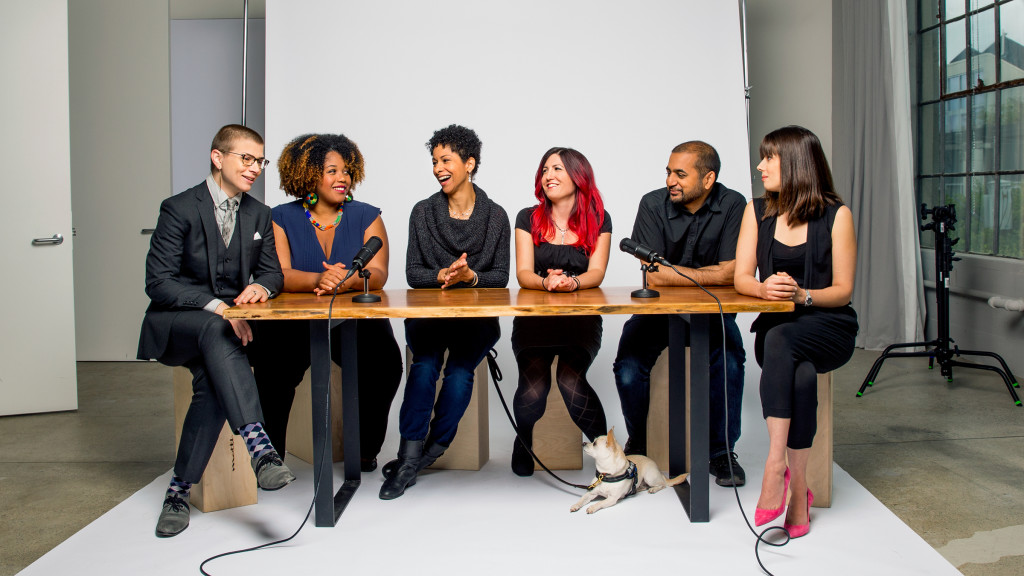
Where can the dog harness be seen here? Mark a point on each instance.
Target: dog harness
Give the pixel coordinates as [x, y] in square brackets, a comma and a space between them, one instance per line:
[629, 474]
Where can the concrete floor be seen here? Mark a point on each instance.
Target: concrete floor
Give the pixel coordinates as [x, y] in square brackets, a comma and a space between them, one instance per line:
[948, 459]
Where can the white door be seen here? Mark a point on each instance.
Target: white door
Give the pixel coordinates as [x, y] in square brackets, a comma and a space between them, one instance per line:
[37, 342]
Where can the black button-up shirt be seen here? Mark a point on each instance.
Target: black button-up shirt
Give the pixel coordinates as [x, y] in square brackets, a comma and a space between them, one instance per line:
[705, 238]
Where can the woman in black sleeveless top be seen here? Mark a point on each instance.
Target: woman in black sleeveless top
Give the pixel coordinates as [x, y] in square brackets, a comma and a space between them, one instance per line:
[562, 245]
[800, 239]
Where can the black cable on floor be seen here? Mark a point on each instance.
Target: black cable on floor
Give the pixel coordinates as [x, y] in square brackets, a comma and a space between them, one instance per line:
[492, 364]
[735, 489]
[316, 481]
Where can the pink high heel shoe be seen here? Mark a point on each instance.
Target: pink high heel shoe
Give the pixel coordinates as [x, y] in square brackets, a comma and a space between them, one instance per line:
[798, 530]
[764, 515]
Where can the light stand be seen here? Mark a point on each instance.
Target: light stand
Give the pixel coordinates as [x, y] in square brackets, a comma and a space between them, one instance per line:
[943, 219]
[366, 297]
[646, 292]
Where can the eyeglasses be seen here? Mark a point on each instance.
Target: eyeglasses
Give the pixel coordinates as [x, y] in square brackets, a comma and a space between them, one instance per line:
[248, 159]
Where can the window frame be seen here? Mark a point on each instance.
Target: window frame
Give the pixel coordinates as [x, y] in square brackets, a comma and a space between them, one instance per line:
[943, 175]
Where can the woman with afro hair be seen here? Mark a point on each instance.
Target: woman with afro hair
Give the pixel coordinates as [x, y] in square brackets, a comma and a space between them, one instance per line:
[458, 238]
[316, 235]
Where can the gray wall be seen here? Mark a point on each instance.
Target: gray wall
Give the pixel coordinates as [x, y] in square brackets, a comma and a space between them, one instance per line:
[120, 163]
[789, 49]
[206, 93]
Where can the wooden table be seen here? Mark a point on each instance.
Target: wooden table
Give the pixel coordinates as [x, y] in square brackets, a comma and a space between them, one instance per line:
[492, 302]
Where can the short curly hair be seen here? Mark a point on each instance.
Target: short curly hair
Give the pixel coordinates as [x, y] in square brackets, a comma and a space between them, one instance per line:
[301, 165]
[463, 141]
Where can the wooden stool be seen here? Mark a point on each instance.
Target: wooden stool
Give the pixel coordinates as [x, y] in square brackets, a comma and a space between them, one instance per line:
[470, 449]
[228, 480]
[657, 416]
[556, 439]
[300, 423]
[819, 465]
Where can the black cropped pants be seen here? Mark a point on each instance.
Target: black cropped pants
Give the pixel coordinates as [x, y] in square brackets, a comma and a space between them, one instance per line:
[792, 349]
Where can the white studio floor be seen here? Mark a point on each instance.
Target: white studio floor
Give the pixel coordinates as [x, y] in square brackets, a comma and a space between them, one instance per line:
[490, 521]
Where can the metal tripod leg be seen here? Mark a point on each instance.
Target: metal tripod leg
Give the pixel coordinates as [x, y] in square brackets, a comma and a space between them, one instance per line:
[869, 380]
[1008, 377]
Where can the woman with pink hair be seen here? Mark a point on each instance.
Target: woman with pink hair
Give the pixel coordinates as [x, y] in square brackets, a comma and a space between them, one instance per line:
[562, 245]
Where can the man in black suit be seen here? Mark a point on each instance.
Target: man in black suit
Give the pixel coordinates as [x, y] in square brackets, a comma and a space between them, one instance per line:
[213, 246]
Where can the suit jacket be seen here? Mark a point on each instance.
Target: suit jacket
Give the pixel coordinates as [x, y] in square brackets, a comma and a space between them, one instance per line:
[182, 261]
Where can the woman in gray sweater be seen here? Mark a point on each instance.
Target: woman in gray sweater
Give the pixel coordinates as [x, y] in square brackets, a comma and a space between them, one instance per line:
[458, 238]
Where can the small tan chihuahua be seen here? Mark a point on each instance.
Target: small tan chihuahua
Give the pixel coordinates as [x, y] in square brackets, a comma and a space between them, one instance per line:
[618, 475]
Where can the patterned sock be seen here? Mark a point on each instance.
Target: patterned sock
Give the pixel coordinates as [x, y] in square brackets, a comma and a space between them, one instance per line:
[178, 487]
[256, 440]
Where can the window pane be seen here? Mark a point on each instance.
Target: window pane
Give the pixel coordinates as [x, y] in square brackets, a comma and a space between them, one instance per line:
[983, 48]
[931, 151]
[975, 4]
[954, 8]
[929, 13]
[956, 57]
[930, 65]
[983, 132]
[1011, 129]
[982, 216]
[1011, 216]
[929, 196]
[1011, 35]
[955, 137]
[955, 194]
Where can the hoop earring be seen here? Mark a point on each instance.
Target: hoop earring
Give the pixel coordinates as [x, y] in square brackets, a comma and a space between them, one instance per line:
[311, 199]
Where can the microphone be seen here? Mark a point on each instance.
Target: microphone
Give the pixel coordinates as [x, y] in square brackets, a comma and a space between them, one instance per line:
[645, 253]
[367, 252]
[363, 257]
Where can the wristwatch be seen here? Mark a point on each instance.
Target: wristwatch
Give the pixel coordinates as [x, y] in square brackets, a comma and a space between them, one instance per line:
[807, 298]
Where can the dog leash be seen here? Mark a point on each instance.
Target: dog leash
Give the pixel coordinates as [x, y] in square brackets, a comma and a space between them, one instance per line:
[492, 365]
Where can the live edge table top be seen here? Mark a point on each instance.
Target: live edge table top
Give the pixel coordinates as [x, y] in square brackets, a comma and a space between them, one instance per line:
[490, 302]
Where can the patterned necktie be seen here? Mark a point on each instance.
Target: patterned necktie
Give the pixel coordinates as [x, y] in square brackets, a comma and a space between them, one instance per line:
[227, 227]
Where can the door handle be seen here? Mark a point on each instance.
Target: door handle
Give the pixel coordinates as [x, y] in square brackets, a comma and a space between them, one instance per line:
[145, 231]
[57, 239]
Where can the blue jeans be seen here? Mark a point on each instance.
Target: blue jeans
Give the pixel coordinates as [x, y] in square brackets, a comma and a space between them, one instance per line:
[467, 341]
[643, 339]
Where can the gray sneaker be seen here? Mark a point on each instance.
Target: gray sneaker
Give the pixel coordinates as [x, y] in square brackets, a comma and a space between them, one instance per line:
[174, 516]
[271, 473]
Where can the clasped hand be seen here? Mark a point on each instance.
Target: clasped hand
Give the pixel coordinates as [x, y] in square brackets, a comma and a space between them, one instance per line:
[459, 271]
[779, 286]
[331, 277]
[557, 281]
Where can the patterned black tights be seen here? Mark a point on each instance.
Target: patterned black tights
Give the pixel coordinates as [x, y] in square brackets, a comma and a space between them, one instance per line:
[534, 384]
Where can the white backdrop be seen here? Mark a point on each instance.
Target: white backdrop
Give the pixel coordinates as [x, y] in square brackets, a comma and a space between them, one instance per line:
[623, 85]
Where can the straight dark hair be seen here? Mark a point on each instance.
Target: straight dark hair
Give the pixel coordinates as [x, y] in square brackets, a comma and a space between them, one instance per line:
[806, 187]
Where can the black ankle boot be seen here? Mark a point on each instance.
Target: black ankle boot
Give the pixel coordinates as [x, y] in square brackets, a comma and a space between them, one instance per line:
[522, 461]
[410, 452]
[432, 452]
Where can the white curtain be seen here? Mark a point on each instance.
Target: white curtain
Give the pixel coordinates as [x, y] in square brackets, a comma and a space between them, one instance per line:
[873, 163]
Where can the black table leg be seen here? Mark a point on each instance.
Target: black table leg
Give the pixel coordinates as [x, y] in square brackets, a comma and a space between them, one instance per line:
[329, 505]
[689, 412]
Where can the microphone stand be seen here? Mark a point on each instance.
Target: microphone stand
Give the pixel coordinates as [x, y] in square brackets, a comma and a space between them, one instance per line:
[365, 297]
[646, 292]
